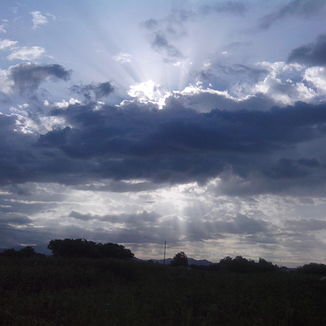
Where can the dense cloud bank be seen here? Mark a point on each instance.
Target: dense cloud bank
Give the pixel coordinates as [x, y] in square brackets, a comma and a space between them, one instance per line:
[138, 141]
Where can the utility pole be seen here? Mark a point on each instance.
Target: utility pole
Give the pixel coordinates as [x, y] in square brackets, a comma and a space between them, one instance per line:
[164, 253]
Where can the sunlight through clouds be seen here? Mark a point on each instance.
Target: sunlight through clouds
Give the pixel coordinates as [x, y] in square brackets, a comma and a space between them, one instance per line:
[200, 123]
[149, 92]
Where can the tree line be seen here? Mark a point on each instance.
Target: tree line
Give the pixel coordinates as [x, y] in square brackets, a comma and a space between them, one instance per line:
[81, 248]
[75, 248]
[238, 264]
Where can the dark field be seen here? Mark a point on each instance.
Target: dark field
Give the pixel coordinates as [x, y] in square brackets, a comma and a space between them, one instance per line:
[52, 291]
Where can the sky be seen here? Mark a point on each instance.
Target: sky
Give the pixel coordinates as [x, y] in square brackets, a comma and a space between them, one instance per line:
[199, 123]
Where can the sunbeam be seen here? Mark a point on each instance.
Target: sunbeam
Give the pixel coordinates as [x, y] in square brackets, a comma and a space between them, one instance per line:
[200, 123]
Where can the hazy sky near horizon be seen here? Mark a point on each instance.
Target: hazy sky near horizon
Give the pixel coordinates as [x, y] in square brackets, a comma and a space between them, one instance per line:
[202, 123]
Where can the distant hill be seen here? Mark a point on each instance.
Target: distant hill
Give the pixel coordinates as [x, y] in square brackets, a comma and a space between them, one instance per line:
[191, 261]
[39, 249]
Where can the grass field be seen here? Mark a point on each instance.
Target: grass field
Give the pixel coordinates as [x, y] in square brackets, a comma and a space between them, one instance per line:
[52, 291]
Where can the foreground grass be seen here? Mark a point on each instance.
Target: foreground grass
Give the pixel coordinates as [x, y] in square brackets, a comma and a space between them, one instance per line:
[51, 291]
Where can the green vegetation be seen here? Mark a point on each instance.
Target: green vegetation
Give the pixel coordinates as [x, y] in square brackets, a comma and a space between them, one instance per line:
[82, 291]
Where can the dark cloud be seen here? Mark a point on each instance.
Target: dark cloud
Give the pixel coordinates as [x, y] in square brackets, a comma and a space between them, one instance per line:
[15, 220]
[172, 25]
[151, 24]
[275, 178]
[120, 186]
[182, 145]
[164, 33]
[224, 77]
[312, 162]
[136, 228]
[232, 7]
[286, 168]
[12, 236]
[301, 8]
[251, 73]
[83, 217]
[198, 230]
[95, 91]
[27, 77]
[306, 225]
[313, 54]
[161, 44]
[129, 220]
[168, 146]
[144, 132]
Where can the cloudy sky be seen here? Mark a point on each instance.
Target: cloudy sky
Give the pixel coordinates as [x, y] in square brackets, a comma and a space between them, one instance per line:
[198, 122]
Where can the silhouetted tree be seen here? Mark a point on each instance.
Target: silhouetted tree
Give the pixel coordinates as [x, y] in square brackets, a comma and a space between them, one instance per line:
[10, 253]
[180, 259]
[313, 268]
[266, 266]
[224, 264]
[240, 264]
[115, 251]
[72, 248]
[89, 249]
[25, 252]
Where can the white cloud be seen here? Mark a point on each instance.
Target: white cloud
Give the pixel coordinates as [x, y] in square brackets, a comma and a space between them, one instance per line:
[39, 19]
[279, 83]
[317, 76]
[122, 57]
[198, 89]
[284, 83]
[202, 99]
[26, 53]
[7, 44]
[66, 103]
[149, 92]
[27, 124]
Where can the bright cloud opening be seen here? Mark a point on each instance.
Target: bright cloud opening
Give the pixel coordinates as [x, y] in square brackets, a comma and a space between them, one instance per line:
[149, 92]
